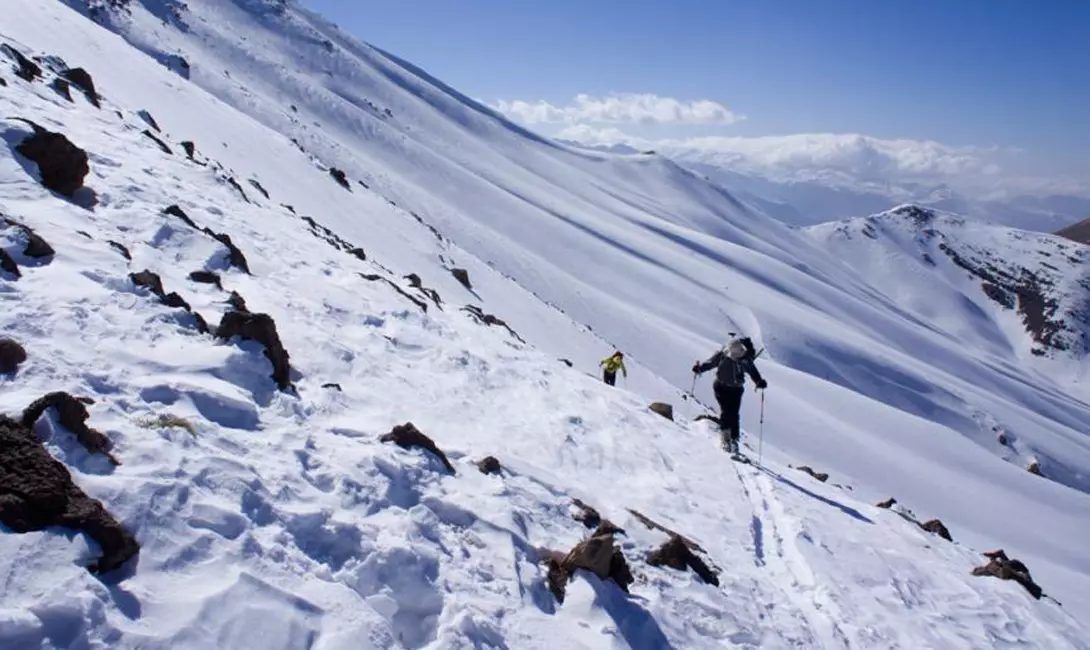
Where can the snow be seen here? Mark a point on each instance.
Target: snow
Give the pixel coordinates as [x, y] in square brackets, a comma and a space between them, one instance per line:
[282, 521]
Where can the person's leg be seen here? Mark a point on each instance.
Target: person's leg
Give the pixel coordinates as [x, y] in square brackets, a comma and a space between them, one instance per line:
[730, 403]
[609, 377]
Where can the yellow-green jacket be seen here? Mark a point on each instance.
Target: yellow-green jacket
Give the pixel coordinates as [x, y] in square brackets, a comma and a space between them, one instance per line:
[613, 363]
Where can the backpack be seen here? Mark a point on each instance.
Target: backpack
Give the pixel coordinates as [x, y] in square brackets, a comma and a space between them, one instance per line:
[747, 343]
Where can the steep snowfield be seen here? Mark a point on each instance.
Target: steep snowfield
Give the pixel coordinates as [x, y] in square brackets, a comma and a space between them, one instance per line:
[284, 517]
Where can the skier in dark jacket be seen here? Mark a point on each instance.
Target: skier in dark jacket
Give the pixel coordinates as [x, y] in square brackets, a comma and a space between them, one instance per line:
[733, 363]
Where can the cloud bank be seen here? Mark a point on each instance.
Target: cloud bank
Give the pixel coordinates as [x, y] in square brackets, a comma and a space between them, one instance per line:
[624, 108]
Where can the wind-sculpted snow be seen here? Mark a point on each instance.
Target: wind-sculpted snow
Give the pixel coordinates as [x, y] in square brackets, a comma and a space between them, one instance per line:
[278, 519]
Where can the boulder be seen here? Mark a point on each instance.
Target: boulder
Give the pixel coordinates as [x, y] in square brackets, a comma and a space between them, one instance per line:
[61, 164]
[1004, 568]
[936, 527]
[408, 436]
[489, 465]
[72, 414]
[260, 328]
[676, 554]
[663, 409]
[462, 275]
[11, 355]
[37, 492]
[887, 504]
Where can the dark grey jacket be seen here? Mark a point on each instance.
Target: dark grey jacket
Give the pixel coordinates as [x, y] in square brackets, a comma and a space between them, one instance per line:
[730, 372]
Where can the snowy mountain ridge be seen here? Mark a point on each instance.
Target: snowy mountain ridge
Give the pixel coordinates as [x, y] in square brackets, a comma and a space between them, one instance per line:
[285, 513]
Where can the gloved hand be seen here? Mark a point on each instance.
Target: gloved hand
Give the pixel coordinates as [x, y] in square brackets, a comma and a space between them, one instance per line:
[696, 368]
[762, 384]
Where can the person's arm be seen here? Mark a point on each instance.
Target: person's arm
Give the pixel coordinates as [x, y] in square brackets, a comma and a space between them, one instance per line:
[709, 364]
[751, 369]
[623, 369]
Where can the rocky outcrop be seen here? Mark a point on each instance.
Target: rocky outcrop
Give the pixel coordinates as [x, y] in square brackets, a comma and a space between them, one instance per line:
[152, 282]
[8, 265]
[158, 141]
[1004, 568]
[72, 414]
[11, 355]
[408, 436]
[676, 554]
[936, 527]
[821, 476]
[489, 465]
[24, 68]
[1034, 467]
[462, 275]
[61, 87]
[597, 554]
[234, 256]
[332, 238]
[207, 277]
[37, 492]
[374, 277]
[33, 244]
[488, 319]
[340, 177]
[61, 164]
[887, 504]
[586, 515]
[120, 248]
[416, 283]
[663, 409]
[261, 328]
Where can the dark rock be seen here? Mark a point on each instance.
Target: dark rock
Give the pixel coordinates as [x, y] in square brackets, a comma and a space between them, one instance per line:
[8, 265]
[260, 328]
[462, 275]
[490, 320]
[234, 255]
[206, 277]
[373, 277]
[149, 120]
[887, 504]
[597, 554]
[676, 554]
[936, 527]
[654, 525]
[663, 409]
[35, 247]
[121, 249]
[238, 188]
[11, 355]
[81, 79]
[257, 186]
[72, 414]
[1004, 568]
[587, 515]
[189, 148]
[3, 83]
[60, 86]
[407, 436]
[566, 362]
[154, 284]
[358, 253]
[25, 69]
[162, 145]
[336, 387]
[1003, 440]
[1034, 467]
[416, 283]
[61, 164]
[489, 465]
[821, 476]
[341, 179]
[176, 211]
[37, 492]
[237, 302]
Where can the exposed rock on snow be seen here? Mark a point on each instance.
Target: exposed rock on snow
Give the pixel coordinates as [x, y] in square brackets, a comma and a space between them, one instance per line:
[261, 328]
[888, 503]
[663, 409]
[341, 179]
[81, 79]
[1034, 467]
[489, 465]
[936, 527]
[8, 265]
[25, 69]
[676, 554]
[34, 245]
[72, 414]
[60, 86]
[37, 491]
[416, 283]
[821, 476]
[462, 275]
[408, 436]
[1004, 568]
[11, 355]
[158, 141]
[597, 554]
[154, 283]
[586, 515]
[490, 320]
[234, 255]
[61, 164]
[207, 277]
[121, 248]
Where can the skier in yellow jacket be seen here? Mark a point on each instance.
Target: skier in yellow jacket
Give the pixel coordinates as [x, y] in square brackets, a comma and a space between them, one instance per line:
[610, 365]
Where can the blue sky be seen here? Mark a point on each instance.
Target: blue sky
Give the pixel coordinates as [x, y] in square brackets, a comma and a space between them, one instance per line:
[1009, 73]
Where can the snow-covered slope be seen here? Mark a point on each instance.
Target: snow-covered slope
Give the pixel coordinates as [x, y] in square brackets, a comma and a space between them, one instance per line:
[283, 513]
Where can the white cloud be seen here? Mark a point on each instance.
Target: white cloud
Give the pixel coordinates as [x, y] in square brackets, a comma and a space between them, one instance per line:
[625, 108]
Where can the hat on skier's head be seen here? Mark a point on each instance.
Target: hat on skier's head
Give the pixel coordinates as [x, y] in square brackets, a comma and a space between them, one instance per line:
[618, 353]
[736, 349]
